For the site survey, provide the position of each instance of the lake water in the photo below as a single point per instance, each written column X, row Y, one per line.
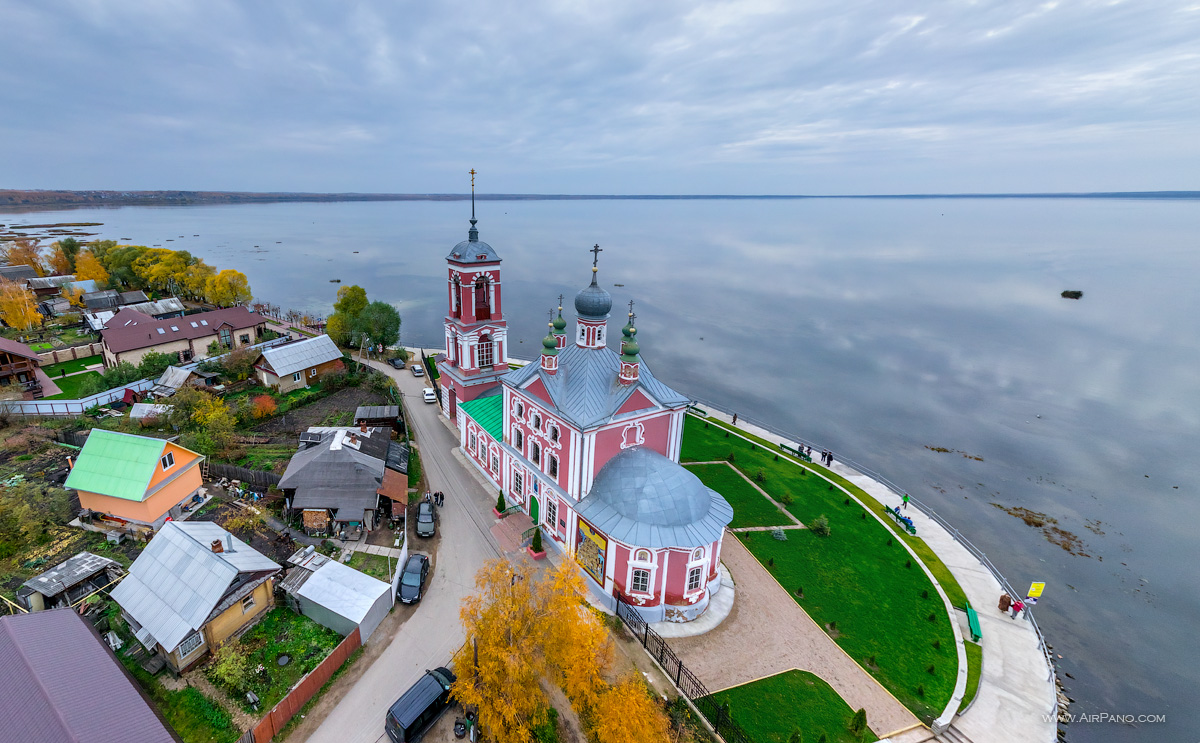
column 877, row 328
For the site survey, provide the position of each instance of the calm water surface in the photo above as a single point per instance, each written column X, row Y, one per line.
column 878, row 329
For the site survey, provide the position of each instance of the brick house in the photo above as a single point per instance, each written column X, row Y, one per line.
column 129, row 335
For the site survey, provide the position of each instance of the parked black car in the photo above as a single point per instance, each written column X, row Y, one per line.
column 396, row 363
column 425, row 525
column 418, row 708
column 412, row 580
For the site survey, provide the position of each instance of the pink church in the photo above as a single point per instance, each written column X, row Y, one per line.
column 586, row 441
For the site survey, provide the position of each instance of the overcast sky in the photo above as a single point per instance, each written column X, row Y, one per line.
column 610, row 96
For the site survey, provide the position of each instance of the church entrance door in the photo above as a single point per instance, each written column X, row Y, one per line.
column 453, row 405
column 533, row 510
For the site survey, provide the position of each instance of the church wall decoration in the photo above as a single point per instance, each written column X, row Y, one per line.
column 591, row 550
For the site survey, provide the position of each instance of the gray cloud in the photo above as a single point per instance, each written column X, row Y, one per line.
column 601, row 97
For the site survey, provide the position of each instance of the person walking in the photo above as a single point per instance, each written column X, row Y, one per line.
column 905, row 500
column 735, row 419
column 1017, row 606
column 1005, row 603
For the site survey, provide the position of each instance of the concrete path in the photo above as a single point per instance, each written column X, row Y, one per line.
column 768, row 633
column 434, row 632
column 1016, row 698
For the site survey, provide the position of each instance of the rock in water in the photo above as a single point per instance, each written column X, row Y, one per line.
column 1072, row 294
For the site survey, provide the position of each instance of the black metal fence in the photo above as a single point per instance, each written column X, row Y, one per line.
column 684, row 679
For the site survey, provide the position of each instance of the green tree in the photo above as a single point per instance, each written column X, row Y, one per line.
column 351, row 300
column 338, row 328
column 228, row 288
column 239, row 364
column 380, row 323
column 155, row 363
column 27, row 510
column 858, row 724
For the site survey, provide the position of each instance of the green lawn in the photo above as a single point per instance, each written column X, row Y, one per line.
column 283, row 632
column 70, row 386
column 859, row 577
column 376, row 566
column 72, row 366
column 414, row 469
column 266, row 457
column 770, row 709
column 974, row 669
column 750, row 508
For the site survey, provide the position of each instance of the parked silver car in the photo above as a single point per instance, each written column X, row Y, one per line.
column 425, row 525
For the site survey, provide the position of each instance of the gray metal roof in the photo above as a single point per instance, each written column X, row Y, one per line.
column 343, row 590
column 72, row 571
column 103, row 299
column 593, row 303
column 178, row 580
column 473, row 250
column 62, row 685
column 174, row 377
column 142, row 410
column 586, row 390
column 397, row 456
column 50, row 282
column 371, row 412
column 305, row 354
column 643, row 499
column 18, row 273
column 335, row 475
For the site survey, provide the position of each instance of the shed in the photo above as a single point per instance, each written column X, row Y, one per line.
column 378, row 415
column 336, row 596
column 68, row 582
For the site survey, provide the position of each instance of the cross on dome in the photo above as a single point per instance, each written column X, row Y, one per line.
column 596, row 251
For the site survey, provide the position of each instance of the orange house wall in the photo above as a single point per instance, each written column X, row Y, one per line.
column 182, row 458
column 151, row 509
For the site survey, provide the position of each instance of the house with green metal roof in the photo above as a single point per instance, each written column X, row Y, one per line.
column 134, row 481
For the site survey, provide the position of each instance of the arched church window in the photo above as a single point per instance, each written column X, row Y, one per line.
column 483, row 304
column 484, row 351
column 457, row 297
column 553, row 466
column 537, row 421
column 535, row 453
column 582, row 333
column 518, row 440
column 520, row 410
column 554, row 434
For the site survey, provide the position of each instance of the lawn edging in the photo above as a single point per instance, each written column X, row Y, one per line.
column 960, row 684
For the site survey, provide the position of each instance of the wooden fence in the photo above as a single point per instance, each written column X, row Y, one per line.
column 305, row 689
column 256, row 479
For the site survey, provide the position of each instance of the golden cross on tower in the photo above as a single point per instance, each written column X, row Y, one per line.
column 560, row 298
column 472, row 193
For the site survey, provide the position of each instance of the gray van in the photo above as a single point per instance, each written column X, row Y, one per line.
column 418, row 708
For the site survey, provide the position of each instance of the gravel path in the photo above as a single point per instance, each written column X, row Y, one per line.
column 768, row 633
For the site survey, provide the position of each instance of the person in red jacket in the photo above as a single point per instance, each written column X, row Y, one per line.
column 1017, row 607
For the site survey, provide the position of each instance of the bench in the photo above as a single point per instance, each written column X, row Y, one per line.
column 973, row 623
column 902, row 520
column 795, row 452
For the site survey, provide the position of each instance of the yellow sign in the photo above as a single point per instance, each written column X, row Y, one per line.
column 1035, row 590
column 591, row 549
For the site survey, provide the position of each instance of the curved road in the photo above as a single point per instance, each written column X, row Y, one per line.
column 433, row 632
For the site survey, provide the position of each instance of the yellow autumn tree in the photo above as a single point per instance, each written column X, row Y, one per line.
column 74, row 294
column 228, row 288
column 626, row 713
column 17, row 306
column 25, row 251
column 58, row 260
column 89, row 268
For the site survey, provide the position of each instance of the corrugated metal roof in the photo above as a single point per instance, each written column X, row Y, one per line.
column 116, row 464
column 50, row 282
column 18, row 273
column 142, row 410
column 305, row 354
column 178, row 580
column 586, row 390
column 174, row 377
column 61, row 685
column 343, row 589
column 72, row 571
column 488, row 412
column 644, row 499
column 371, row 412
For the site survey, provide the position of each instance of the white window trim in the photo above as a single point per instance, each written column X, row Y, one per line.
column 312, row 372
column 179, row 650
column 649, row 581
column 247, row 607
column 550, row 511
column 697, row 570
column 297, row 376
column 167, row 461
column 702, row 563
column 650, row 566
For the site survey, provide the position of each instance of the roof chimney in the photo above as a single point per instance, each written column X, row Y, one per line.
column 217, row 546
column 362, row 427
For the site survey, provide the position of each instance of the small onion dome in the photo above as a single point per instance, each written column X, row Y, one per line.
column 593, row 302
column 630, row 350
column 550, row 343
column 560, row 325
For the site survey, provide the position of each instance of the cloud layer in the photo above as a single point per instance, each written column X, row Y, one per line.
column 601, row 97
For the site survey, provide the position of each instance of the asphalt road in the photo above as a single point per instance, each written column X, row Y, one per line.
column 434, row 631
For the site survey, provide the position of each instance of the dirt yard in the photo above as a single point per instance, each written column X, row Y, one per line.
column 236, row 519
column 335, row 410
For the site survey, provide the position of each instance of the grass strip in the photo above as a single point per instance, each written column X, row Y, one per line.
column 974, row 671
column 770, row 709
column 750, row 507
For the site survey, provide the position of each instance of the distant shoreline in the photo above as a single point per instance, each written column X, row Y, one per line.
column 35, row 199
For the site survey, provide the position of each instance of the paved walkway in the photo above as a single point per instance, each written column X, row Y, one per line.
column 768, row 633
column 1016, row 698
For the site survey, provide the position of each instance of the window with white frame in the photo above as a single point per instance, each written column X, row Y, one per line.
column 495, row 462
column 518, row 483
column 296, row 377
column 519, row 440
column 312, row 372
column 552, row 466
column 168, row 460
column 537, row 422
column 554, row 433
column 552, row 513
column 189, row 644
column 247, row 603
column 484, row 350
column 471, row 440
column 520, row 408
column 535, row 453
column 640, row 581
column 693, row 581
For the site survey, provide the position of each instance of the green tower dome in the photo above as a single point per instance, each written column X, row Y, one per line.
column 560, row 325
column 550, row 343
